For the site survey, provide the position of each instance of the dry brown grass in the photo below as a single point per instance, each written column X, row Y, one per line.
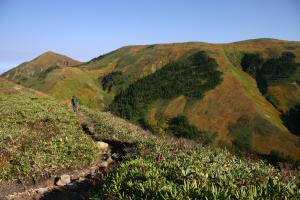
column 175, row 107
column 285, row 96
column 220, row 107
column 41, row 63
column 50, row 59
column 285, row 143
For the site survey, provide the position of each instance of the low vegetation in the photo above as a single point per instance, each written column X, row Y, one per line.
column 166, row 168
column 38, row 137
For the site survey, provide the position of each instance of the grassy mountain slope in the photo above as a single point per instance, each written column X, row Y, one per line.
column 235, row 98
column 64, row 83
column 235, row 102
column 38, row 137
column 169, row 168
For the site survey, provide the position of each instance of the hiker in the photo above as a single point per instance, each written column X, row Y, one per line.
column 74, row 101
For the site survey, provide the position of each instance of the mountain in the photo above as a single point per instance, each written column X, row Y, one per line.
column 231, row 106
column 32, row 72
column 56, row 75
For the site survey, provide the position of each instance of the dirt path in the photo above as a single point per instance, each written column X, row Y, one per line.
column 83, row 181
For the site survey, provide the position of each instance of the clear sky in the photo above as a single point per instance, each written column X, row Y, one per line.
column 84, row 29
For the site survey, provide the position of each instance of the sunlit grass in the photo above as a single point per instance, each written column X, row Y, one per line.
column 39, row 137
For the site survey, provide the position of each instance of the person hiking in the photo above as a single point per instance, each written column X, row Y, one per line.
column 74, row 101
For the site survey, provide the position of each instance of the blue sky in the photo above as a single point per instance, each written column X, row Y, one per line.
column 84, row 29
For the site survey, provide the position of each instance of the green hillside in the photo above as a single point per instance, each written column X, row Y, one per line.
column 231, row 107
column 38, row 137
column 169, row 168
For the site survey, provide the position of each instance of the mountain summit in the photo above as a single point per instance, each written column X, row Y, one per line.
column 39, row 67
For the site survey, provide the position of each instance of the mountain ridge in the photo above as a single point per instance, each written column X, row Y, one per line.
column 221, row 110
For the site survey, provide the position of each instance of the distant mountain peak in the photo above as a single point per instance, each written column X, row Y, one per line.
column 40, row 64
column 50, row 56
column 50, row 53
